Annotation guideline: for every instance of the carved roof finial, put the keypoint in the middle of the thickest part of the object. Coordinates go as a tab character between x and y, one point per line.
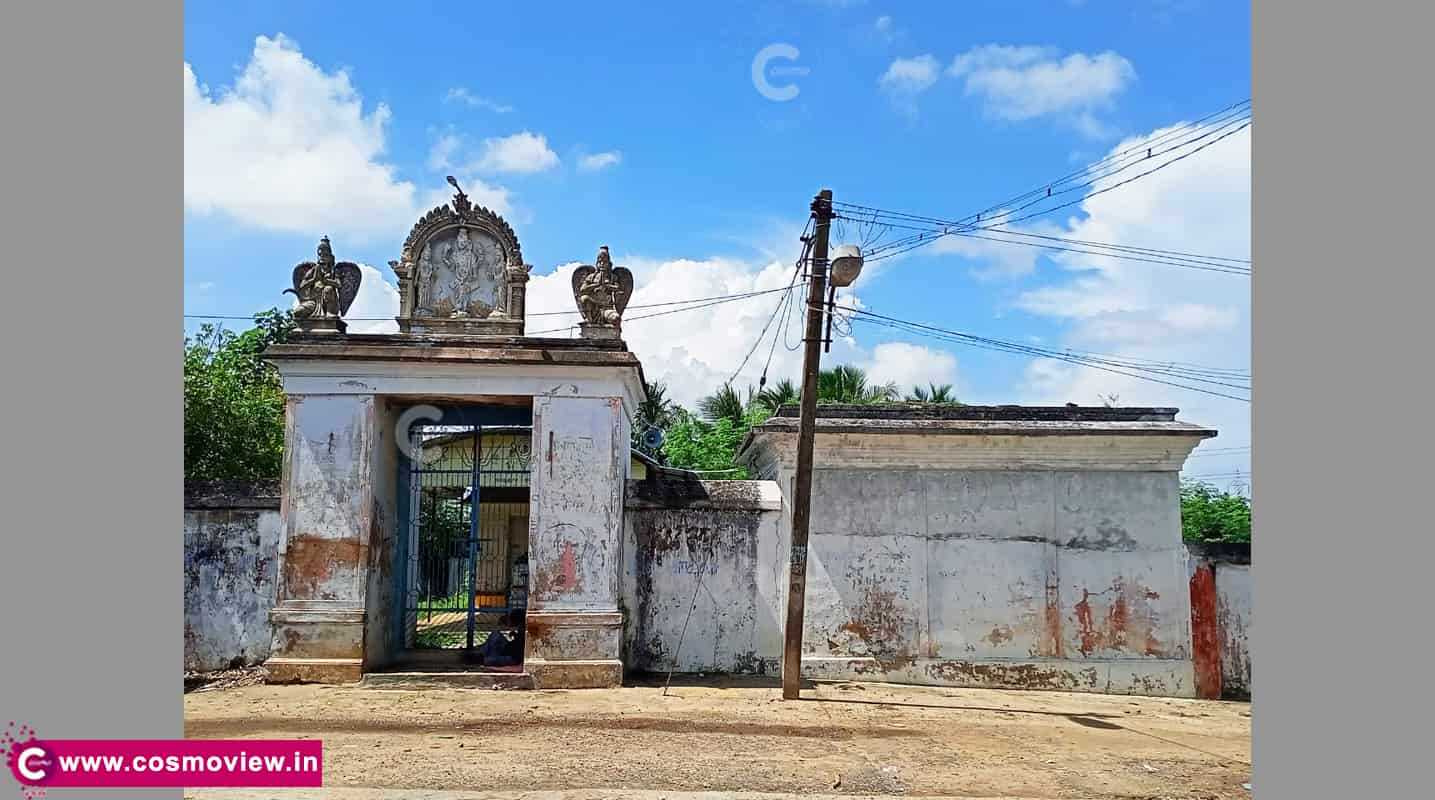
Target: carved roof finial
460	200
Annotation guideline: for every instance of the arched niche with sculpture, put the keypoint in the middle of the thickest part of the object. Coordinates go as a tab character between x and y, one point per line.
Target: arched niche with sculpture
461	273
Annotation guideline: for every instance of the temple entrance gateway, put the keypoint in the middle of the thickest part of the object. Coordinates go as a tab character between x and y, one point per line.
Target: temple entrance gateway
484	532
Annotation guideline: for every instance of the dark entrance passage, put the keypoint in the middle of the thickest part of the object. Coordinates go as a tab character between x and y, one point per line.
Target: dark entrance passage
467	555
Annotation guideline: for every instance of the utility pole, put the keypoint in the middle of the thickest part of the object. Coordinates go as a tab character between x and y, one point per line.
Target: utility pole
806	433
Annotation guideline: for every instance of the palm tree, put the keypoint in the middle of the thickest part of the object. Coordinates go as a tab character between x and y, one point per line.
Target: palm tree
656	410
725	403
780	394
847	384
937	395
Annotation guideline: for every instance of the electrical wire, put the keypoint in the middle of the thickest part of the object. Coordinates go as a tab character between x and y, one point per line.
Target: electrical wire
987	343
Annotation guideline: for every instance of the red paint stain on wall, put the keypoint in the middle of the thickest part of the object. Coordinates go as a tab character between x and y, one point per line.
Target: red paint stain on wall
567	568
1127	622
1055	647
1205	633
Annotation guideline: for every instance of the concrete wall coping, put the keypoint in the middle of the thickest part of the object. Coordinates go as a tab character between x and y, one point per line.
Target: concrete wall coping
984	427
930	411
260	495
1220	552
661	491
507	350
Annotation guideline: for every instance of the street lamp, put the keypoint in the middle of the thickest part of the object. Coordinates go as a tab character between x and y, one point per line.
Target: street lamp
846	265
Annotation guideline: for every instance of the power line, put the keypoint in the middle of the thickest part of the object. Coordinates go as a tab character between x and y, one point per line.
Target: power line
988	343
1175	261
715	302
1221	118
1240	119
1200	375
535	314
1176	258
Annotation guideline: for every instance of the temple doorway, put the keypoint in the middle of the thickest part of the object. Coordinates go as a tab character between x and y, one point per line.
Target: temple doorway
466	576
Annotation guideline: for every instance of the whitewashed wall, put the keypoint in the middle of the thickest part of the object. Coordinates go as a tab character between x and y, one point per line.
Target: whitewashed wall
725	532
231	538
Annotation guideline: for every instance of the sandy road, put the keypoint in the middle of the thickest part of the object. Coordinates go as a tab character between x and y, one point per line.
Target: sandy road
735	736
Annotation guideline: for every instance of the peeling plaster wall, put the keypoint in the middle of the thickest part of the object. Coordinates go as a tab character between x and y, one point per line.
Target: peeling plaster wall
1233	604
728	535
1221	597
328	450
1010	578
574	533
384	528
1046	579
231	535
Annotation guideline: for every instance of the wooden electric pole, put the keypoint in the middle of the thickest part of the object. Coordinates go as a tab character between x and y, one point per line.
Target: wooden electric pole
806	433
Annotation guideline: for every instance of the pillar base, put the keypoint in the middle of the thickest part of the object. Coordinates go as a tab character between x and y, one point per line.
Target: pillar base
574	649
314	670
596	674
316	641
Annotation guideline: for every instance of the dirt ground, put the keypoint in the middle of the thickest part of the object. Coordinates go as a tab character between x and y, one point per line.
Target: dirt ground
738	736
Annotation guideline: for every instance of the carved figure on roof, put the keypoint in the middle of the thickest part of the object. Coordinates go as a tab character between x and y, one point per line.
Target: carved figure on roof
325	288
602	291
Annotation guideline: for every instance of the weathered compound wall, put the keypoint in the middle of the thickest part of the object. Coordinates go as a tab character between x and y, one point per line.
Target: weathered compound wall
1042	579
231	538
728	533
1221	605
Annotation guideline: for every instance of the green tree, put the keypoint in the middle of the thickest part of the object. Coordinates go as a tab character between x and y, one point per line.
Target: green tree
932	393
724	404
1211	515
234	402
849	385
695	444
655	411
780	394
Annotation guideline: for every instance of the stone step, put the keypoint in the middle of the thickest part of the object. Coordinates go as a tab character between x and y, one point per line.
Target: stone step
446	679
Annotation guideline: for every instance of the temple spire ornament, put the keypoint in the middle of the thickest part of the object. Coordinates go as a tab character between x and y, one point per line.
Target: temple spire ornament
601	292
461	273
325	289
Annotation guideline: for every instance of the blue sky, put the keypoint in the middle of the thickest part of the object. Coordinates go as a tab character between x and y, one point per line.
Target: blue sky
641	127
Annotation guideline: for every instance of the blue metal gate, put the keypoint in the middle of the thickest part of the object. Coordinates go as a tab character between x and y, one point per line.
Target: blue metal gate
466	565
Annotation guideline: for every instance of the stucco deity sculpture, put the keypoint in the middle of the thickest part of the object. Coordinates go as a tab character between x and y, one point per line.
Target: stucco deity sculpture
602	292
325	289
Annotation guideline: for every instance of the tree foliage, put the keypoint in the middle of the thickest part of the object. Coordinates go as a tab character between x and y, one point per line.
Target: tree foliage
849	385
234	402
696	444
934	394
724	404
708	441
1211	515
782	393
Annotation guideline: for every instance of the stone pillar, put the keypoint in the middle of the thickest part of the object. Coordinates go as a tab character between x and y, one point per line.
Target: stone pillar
327	507
517	290
574	629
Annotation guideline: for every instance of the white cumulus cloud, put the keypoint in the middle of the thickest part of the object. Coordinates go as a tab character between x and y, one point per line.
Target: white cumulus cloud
290	147
1018	83
1160	313
598	161
911	75
460	94
521	153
